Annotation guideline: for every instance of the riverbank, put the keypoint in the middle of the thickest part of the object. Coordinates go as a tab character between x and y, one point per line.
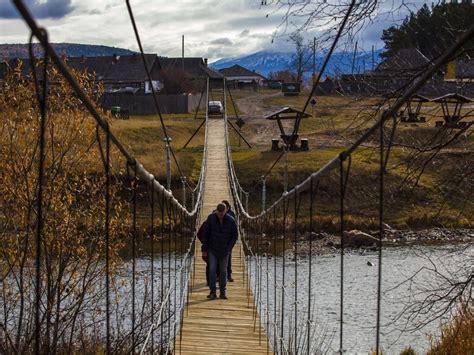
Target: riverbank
323	243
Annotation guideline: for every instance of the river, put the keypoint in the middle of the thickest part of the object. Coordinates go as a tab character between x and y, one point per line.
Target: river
407	277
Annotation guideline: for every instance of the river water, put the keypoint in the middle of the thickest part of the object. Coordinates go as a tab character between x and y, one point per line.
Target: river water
408	276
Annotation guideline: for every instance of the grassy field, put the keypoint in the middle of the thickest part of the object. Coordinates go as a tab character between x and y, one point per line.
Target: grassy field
424	186
144	137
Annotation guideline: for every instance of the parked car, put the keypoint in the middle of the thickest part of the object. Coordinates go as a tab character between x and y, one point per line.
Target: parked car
215	107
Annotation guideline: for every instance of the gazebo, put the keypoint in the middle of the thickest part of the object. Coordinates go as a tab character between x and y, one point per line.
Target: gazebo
411	113
288	113
452	105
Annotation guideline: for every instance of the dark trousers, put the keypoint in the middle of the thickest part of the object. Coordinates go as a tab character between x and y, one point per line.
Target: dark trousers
215	260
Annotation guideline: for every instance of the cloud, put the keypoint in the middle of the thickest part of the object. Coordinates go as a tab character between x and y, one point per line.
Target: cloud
222	41
53	9
244	33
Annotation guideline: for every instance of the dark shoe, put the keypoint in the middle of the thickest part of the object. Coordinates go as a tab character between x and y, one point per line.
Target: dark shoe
222	296
212	296
230	279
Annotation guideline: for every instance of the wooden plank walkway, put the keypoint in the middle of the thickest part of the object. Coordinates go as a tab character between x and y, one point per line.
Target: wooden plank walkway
220	326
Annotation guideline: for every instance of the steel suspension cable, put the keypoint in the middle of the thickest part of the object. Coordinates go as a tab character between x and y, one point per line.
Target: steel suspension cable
328	56
343	178
42	98
106	162
41	35
148	73
152	262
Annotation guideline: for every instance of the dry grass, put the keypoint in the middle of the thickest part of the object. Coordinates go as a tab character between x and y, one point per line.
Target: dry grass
456	338
430	200
143	135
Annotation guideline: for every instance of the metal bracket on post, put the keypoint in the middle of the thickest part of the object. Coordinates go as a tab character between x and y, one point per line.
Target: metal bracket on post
285	171
183	181
168	162
264	193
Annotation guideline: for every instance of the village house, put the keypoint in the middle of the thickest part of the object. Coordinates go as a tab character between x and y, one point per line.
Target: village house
239	77
122	73
115	72
390	75
192	69
460	71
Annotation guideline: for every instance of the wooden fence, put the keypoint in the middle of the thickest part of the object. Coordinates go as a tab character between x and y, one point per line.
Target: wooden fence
144	104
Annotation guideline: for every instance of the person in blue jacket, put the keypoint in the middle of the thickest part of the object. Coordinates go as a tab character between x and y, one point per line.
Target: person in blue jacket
220	236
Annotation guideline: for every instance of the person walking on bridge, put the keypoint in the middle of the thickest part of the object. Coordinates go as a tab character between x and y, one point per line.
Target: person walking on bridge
229	264
220	236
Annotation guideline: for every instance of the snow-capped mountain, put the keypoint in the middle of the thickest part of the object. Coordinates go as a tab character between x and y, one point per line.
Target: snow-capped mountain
267	61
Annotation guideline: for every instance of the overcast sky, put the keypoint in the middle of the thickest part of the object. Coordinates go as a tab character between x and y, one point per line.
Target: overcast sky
212	28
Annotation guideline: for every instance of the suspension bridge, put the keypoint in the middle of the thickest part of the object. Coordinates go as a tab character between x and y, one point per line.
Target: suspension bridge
159	305
222	326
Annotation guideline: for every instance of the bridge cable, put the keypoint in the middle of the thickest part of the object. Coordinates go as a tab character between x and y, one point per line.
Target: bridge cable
42	98
315	84
133	182
343	179
152	263
42	36
329	55
106	163
148	73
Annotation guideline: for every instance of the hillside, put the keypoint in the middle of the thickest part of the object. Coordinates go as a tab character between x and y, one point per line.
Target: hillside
69	49
267	61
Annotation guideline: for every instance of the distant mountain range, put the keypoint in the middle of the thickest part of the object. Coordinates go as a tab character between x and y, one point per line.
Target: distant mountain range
262	62
69	49
267	61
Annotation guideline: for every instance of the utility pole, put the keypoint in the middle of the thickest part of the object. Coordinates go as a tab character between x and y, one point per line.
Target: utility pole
314	58
182	53
354	58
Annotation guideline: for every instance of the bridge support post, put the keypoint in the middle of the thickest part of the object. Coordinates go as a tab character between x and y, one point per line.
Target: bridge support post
168	162
264	193
183	181
192	199
285	170
247	201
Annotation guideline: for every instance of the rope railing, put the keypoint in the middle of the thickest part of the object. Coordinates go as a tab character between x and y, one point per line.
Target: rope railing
272	226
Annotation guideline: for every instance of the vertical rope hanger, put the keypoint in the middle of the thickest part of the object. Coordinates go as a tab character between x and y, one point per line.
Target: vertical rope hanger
282	315
383	160
162	279
152	260
312	193
344	177
42	97
106	163
133	181
297	204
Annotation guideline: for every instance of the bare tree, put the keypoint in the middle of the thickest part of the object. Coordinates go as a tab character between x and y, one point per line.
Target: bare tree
302	57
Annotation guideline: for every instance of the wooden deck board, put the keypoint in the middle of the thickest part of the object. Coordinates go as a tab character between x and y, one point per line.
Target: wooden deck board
220	326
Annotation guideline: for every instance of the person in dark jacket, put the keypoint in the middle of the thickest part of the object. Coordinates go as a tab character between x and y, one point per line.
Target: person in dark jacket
229	264
220	235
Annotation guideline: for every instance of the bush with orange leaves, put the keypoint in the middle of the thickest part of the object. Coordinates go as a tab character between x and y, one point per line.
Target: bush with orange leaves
73	242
